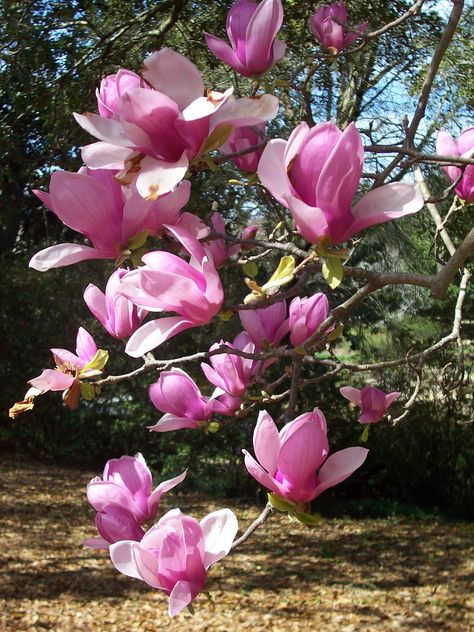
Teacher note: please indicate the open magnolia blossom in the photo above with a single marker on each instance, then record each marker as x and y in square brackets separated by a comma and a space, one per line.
[156, 132]
[168, 283]
[286, 461]
[463, 146]
[316, 174]
[177, 395]
[372, 402]
[175, 554]
[329, 26]
[117, 314]
[114, 218]
[124, 499]
[252, 29]
[71, 368]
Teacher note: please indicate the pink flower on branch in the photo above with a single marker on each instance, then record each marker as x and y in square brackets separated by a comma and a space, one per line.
[306, 314]
[168, 283]
[124, 499]
[252, 29]
[287, 460]
[266, 326]
[71, 368]
[112, 217]
[117, 314]
[316, 174]
[113, 87]
[156, 132]
[242, 139]
[463, 146]
[175, 554]
[372, 402]
[329, 26]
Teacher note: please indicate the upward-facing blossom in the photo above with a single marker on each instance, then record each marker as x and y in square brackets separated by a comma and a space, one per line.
[372, 402]
[252, 29]
[94, 204]
[168, 283]
[316, 175]
[70, 368]
[463, 146]
[124, 499]
[156, 132]
[287, 460]
[175, 554]
[329, 26]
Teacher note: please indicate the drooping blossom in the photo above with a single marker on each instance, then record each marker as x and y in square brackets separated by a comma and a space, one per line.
[287, 460]
[177, 395]
[175, 554]
[267, 325]
[372, 402]
[155, 133]
[329, 26]
[463, 146]
[93, 203]
[306, 314]
[168, 283]
[71, 368]
[242, 139]
[316, 174]
[117, 314]
[252, 29]
[232, 373]
[113, 87]
[124, 499]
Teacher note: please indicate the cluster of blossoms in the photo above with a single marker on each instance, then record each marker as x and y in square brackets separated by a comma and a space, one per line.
[152, 129]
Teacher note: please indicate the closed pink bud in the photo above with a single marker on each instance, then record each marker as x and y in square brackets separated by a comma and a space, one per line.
[117, 314]
[242, 139]
[127, 483]
[267, 324]
[306, 314]
[329, 26]
[463, 146]
[113, 87]
[175, 554]
[115, 523]
[294, 463]
[316, 175]
[372, 402]
[252, 29]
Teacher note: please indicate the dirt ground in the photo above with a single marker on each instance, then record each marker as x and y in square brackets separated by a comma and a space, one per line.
[343, 575]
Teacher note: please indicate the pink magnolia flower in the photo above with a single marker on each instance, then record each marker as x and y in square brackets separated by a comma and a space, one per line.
[155, 133]
[287, 460]
[125, 499]
[117, 314]
[252, 29]
[306, 314]
[265, 325]
[168, 283]
[372, 401]
[175, 554]
[231, 373]
[316, 174]
[329, 26]
[113, 87]
[241, 139]
[93, 203]
[70, 368]
[177, 394]
[463, 146]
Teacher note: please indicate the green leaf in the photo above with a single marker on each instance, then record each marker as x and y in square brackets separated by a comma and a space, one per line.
[217, 138]
[250, 268]
[96, 365]
[280, 504]
[139, 240]
[335, 333]
[333, 271]
[365, 435]
[282, 275]
[308, 519]
[87, 391]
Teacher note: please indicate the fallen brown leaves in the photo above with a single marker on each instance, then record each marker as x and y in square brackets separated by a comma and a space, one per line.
[343, 575]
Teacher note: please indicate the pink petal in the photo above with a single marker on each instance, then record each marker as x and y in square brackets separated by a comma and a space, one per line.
[158, 177]
[66, 255]
[105, 129]
[340, 466]
[52, 380]
[261, 32]
[310, 221]
[103, 155]
[352, 394]
[259, 474]
[95, 301]
[121, 554]
[272, 170]
[219, 528]
[154, 333]
[224, 52]
[301, 453]
[266, 442]
[170, 422]
[163, 487]
[85, 345]
[180, 597]
[391, 397]
[244, 111]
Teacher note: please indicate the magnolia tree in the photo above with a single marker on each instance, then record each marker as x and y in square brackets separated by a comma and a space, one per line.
[154, 131]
